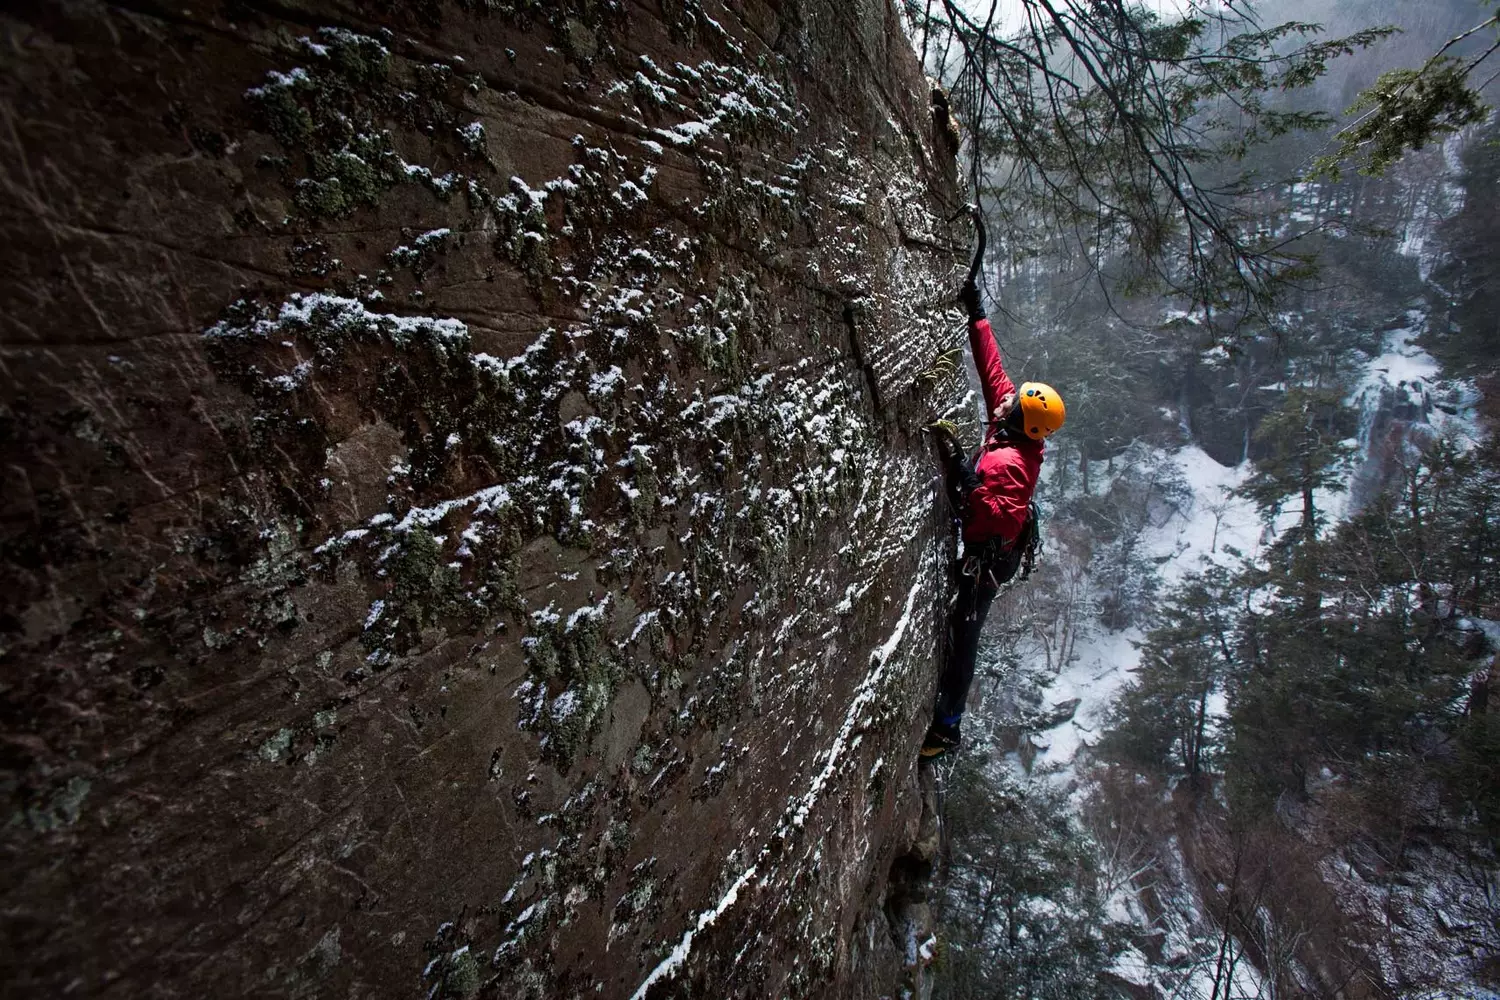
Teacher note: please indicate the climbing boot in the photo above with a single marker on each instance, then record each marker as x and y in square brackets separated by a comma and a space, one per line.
[942, 739]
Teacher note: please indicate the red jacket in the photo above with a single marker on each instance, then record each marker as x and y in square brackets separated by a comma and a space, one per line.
[1008, 470]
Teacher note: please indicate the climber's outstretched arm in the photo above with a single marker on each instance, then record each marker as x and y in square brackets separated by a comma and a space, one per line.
[997, 384]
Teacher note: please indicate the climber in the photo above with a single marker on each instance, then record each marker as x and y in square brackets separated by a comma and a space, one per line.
[993, 497]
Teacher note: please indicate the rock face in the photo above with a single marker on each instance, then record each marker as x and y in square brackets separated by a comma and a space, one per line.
[465, 531]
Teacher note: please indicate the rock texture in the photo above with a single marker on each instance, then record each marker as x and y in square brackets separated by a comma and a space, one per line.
[464, 527]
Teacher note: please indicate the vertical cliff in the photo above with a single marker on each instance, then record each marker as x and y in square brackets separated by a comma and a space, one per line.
[464, 527]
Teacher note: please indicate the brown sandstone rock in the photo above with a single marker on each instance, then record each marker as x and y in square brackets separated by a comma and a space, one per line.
[463, 528]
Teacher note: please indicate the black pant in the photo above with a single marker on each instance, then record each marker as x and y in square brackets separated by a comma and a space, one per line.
[965, 622]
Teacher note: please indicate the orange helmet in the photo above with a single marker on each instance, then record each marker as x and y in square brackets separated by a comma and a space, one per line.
[1042, 410]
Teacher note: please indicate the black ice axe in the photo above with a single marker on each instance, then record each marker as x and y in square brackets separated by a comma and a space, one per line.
[978, 261]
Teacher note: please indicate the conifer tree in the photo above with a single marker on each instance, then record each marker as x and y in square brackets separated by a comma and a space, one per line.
[1161, 722]
[1411, 107]
[1022, 911]
[1371, 682]
[1304, 450]
[1101, 118]
[1465, 330]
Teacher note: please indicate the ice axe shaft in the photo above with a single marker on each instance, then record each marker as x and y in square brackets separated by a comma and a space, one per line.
[978, 261]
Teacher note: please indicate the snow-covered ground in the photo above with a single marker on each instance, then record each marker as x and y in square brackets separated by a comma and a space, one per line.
[1213, 528]
[1216, 528]
[1402, 362]
[1403, 403]
[1194, 960]
[1209, 530]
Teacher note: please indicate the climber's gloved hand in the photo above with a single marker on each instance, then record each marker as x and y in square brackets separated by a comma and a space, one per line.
[969, 299]
[945, 436]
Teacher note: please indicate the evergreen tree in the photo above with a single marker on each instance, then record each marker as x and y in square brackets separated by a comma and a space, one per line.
[1464, 333]
[1304, 450]
[1101, 118]
[1022, 913]
[1148, 489]
[1161, 721]
[1372, 682]
[1408, 108]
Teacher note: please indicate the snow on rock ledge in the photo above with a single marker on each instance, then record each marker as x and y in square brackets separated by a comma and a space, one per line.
[466, 524]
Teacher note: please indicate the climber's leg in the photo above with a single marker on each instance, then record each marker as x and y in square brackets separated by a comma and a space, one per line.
[964, 626]
[959, 476]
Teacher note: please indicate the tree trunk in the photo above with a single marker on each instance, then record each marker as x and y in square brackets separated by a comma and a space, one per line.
[1306, 564]
[1198, 735]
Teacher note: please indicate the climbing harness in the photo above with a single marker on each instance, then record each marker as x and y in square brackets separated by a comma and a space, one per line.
[996, 562]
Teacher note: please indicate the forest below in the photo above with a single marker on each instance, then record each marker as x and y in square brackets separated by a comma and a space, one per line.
[1271, 559]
